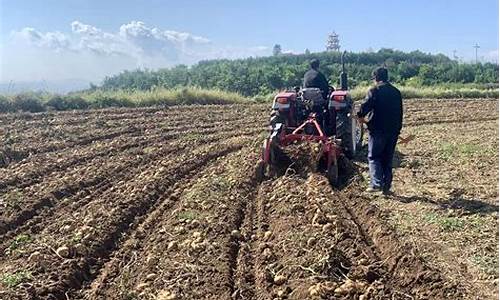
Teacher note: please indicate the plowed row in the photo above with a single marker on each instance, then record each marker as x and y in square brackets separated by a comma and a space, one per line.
[164, 204]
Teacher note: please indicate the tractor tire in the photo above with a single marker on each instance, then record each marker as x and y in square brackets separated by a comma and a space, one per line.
[276, 117]
[260, 171]
[333, 174]
[350, 132]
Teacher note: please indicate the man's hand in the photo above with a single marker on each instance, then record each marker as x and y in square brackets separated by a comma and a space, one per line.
[358, 118]
[407, 139]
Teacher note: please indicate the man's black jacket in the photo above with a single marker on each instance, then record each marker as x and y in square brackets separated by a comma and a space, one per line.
[315, 79]
[385, 101]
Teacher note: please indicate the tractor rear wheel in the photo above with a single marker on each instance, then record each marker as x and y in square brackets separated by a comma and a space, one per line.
[350, 132]
[333, 174]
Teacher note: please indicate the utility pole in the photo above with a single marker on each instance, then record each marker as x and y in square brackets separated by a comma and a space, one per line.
[11, 85]
[476, 46]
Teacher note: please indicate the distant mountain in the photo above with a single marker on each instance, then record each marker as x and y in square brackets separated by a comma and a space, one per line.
[55, 86]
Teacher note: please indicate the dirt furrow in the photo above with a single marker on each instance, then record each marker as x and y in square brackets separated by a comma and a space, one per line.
[55, 194]
[18, 177]
[172, 210]
[13, 153]
[407, 271]
[83, 196]
[65, 118]
[190, 226]
[449, 121]
[10, 155]
[298, 243]
[105, 237]
[243, 271]
[314, 242]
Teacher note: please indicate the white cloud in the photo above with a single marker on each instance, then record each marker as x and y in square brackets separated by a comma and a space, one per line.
[91, 53]
[90, 38]
[290, 52]
[79, 27]
[491, 56]
[54, 40]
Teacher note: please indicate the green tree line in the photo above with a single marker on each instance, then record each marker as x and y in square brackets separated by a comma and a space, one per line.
[263, 75]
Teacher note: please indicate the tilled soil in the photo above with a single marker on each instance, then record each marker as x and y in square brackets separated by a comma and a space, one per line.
[165, 204]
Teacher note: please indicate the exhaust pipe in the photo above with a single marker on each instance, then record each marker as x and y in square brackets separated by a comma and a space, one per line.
[343, 75]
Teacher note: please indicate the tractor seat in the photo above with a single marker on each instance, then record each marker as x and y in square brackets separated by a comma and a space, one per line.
[314, 95]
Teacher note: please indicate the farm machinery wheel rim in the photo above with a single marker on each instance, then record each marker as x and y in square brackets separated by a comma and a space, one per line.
[354, 135]
[357, 135]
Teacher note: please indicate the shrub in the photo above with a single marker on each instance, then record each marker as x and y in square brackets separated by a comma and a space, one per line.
[5, 104]
[57, 103]
[67, 102]
[28, 102]
[110, 100]
[435, 92]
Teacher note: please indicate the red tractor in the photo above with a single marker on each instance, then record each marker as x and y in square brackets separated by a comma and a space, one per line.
[304, 115]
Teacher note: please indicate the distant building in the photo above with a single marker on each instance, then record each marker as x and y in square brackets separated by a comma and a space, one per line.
[333, 42]
[277, 50]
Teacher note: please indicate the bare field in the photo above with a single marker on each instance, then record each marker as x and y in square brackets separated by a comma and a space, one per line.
[164, 204]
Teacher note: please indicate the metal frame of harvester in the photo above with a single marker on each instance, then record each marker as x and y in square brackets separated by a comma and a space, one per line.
[287, 130]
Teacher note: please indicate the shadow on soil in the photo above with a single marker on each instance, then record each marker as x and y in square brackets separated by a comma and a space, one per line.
[456, 201]
[362, 157]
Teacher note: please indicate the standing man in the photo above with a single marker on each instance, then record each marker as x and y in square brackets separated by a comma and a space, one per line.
[385, 103]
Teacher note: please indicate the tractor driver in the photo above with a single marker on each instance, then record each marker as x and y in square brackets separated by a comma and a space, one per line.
[315, 79]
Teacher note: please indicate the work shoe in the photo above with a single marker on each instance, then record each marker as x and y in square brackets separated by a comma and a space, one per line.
[373, 190]
[388, 193]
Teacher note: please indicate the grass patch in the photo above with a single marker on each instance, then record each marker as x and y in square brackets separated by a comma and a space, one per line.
[434, 92]
[443, 222]
[192, 136]
[160, 96]
[124, 286]
[18, 242]
[478, 221]
[402, 221]
[76, 238]
[148, 150]
[487, 264]
[14, 279]
[12, 199]
[187, 215]
[100, 98]
[10, 138]
[221, 183]
[466, 150]
[38, 102]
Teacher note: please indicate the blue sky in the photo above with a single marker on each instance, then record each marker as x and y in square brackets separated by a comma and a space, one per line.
[42, 39]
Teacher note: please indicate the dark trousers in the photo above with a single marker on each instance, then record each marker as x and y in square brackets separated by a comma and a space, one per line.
[381, 149]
